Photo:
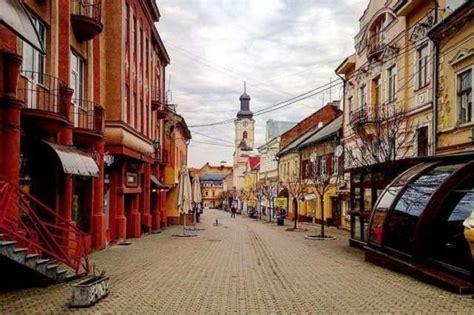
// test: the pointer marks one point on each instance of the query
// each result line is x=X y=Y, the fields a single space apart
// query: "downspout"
x=434 y=127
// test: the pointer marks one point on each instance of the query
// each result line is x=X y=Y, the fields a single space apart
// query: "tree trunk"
x=296 y=216
x=321 y=203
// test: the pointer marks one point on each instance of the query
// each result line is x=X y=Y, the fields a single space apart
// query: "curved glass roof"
x=430 y=199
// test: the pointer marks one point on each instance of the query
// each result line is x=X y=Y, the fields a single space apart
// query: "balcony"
x=155 y=100
x=375 y=49
x=359 y=117
x=45 y=98
x=86 y=18
x=88 y=117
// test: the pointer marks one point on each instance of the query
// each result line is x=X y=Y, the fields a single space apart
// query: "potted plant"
x=89 y=291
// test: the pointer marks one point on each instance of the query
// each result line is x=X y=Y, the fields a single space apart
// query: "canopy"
x=74 y=161
x=197 y=197
x=184 y=192
x=16 y=17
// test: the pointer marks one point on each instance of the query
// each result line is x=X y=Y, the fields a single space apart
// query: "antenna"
x=169 y=94
x=330 y=89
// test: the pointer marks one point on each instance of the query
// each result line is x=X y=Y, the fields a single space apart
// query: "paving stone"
x=243 y=267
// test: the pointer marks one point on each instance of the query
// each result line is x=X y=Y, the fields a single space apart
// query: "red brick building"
x=82 y=124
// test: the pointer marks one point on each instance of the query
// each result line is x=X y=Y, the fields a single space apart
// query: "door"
x=336 y=211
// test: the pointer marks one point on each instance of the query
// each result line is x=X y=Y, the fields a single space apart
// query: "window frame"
x=77 y=72
x=392 y=83
x=422 y=81
x=38 y=60
x=458 y=96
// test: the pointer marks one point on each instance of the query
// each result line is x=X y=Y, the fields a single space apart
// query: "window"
x=335 y=165
x=213 y=193
x=464 y=95
x=244 y=135
x=132 y=109
x=323 y=167
x=363 y=96
x=33 y=60
x=422 y=66
x=375 y=98
x=77 y=78
x=392 y=83
x=422 y=141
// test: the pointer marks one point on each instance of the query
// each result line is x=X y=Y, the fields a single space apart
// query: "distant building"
x=277 y=128
x=213 y=182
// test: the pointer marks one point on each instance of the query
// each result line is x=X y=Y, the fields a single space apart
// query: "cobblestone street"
x=243 y=266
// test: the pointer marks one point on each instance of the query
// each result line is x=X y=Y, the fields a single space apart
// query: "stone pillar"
x=11 y=118
x=97 y=216
x=145 y=197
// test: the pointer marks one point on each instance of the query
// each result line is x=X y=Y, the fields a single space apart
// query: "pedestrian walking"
x=233 y=208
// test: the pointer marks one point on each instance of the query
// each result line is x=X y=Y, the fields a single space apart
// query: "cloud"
x=282 y=48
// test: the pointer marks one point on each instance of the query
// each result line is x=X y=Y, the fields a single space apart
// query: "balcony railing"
x=91 y=9
x=86 y=18
x=375 y=48
x=88 y=115
x=366 y=114
x=43 y=92
x=155 y=100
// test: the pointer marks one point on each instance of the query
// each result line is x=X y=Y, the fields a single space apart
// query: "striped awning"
x=74 y=161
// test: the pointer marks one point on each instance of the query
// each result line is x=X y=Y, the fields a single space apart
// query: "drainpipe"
x=434 y=119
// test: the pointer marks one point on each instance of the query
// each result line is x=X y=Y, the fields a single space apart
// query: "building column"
x=97 y=216
x=11 y=118
x=164 y=214
x=134 y=218
x=66 y=139
x=145 y=197
x=117 y=204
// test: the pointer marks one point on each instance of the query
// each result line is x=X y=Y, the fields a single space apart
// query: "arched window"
x=244 y=135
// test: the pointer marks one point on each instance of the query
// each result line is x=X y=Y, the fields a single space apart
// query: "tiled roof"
x=212 y=177
x=330 y=129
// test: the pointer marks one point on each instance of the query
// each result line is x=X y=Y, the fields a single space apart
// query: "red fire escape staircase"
x=35 y=237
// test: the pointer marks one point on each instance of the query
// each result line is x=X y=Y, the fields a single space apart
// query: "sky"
x=281 y=48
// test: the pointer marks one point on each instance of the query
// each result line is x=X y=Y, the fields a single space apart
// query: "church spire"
x=245 y=104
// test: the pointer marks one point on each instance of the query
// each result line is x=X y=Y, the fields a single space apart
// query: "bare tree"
x=382 y=134
x=269 y=191
x=296 y=188
x=323 y=173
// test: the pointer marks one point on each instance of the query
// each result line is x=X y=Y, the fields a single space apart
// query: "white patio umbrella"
x=197 y=197
x=184 y=195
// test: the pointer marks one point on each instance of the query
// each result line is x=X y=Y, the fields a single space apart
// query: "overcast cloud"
x=282 y=48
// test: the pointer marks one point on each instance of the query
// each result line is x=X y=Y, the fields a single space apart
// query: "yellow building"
x=454 y=39
x=321 y=147
x=389 y=90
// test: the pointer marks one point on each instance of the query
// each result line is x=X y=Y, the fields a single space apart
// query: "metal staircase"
x=36 y=241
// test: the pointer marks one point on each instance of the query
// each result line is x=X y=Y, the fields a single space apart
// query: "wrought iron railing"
x=44 y=92
x=87 y=115
x=35 y=226
x=89 y=8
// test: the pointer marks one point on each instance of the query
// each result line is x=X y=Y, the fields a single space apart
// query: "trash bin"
x=280 y=221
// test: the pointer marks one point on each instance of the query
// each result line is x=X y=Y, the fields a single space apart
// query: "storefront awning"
x=74 y=161
x=157 y=182
x=15 y=16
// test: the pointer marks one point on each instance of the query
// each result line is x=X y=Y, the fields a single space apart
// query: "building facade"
x=86 y=121
x=175 y=156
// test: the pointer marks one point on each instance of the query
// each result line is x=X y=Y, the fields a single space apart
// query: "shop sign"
x=281 y=202
x=132 y=179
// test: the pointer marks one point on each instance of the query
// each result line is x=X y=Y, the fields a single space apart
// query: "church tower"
x=244 y=139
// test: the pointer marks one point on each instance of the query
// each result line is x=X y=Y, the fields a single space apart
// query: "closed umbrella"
x=184 y=196
x=197 y=197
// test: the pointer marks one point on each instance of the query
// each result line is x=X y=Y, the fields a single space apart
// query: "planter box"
x=89 y=291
